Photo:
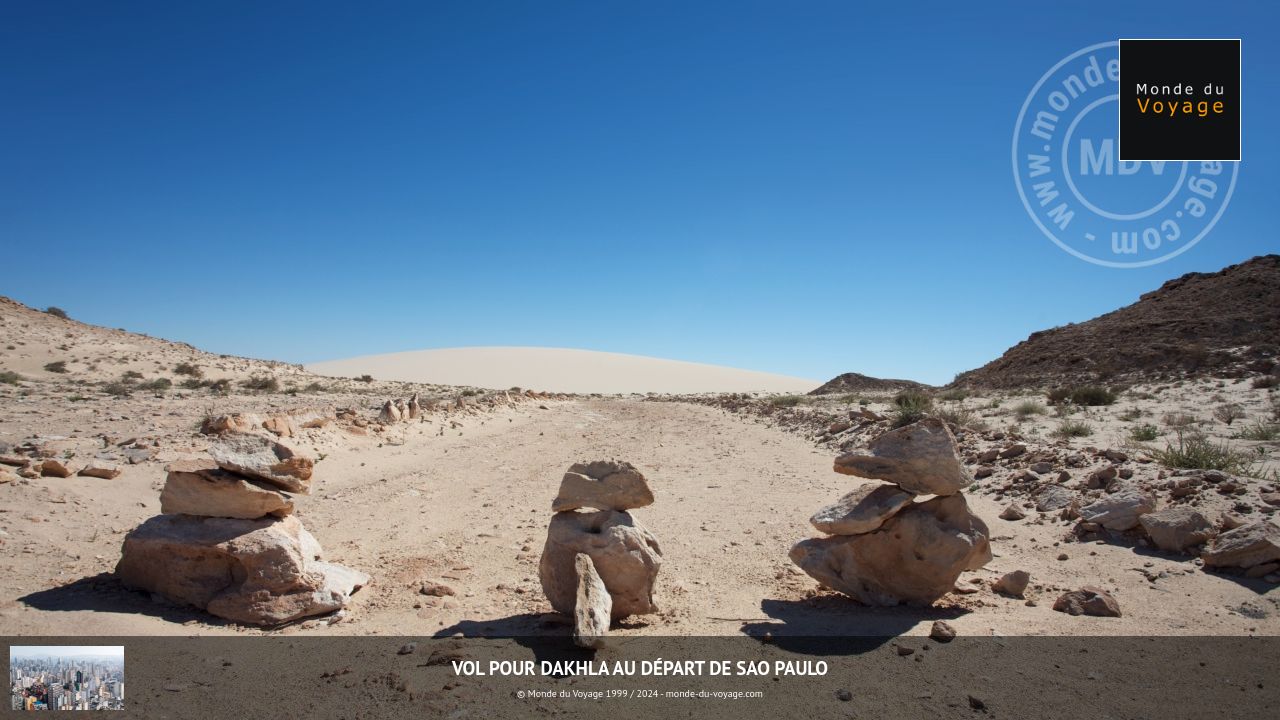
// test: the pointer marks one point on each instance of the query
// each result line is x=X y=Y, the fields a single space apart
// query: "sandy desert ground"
x=462 y=498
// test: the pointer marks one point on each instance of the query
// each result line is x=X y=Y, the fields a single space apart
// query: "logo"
x=1107 y=211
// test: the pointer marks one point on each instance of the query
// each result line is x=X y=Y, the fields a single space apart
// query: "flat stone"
x=602 y=485
x=100 y=469
x=862 y=510
x=1177 y=528
x=920 y=458
x=261 y=457
x=200 y=487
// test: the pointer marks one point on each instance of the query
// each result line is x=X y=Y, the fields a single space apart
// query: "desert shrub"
x=157 y=385
x=961 y=416
x=116 y=388
x=1027 y=408
x=261 y=383
x=1057 y=396
x=1264 y=382
x=221 y=386
x=1228 y=413
x=994 y=404
x=131 y=375
x=1179 y=420
x=1145 y=432
x=315 y=387
x=1092 y=395
x=1260 y=430
x=786 y=400
x=58 y=366
x=1195 y=451
x=911 y=406
x=365 y=378
x=1131 y=414
x=954 y=394
x=469 y=392
x=188 y=369
x=9 y=377
x=57 y=312
x=1073 y=429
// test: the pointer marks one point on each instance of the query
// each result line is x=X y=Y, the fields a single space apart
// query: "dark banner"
x=729 y=677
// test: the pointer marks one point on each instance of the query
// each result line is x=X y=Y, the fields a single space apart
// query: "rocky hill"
x=1223 y=324
x=857 y=382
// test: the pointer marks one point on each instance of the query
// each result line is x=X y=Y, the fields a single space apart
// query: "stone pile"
x=599 y=563
x=228 y=542
x=886 y=546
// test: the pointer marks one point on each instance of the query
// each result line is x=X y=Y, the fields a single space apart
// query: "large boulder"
x=603 y=485
x=1177 y=528
x=919 y=458
x=593 y=606
x=625 y=555
x=257 y=572
x=200 y=487
x=915 y=557
x=1257 y=543
x=861 y=511
x=1119 y=511
x=261 y=457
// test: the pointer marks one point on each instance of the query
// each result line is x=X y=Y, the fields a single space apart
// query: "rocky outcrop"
x=228 y=542
x=887 y=548
x=1176 y=529
x=623 y=555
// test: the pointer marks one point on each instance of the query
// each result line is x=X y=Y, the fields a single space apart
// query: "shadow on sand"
x=837 y=625
x=104 y=593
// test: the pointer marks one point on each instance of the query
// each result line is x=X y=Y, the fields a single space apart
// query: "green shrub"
x=1194 y=451
x=58 y=366
x=116 y=388
x=1131 y=414
x=1057 y=396
x=963 y=417
x=1261 y=430
x=188 y=369
x=1179 y=420
x=786 y=400
x=9 y=377
x=261 y=383
x=157 y=385
x=57 y=312
x=1027 y=408
x=1073 y=429
x=911 y=406
x=954 y=394
x=1092 y=395
x=1145 y=432
x=132 y=375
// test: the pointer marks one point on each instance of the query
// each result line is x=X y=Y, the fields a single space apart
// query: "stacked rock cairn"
x=228 y=542
x=886 y=546
x=599 y=564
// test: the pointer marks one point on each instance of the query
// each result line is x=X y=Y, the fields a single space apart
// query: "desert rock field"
x=442 y=495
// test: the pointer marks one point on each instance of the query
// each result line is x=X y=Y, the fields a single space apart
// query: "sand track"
x=469 y=509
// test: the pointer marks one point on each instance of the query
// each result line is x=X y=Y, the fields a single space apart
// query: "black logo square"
x=1179 y=100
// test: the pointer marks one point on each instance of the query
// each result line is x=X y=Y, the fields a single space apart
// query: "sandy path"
x=469 y=509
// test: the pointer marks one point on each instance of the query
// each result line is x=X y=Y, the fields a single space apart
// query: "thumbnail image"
x=66 y=677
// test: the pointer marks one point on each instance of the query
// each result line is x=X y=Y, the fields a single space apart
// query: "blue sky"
x=802 y=188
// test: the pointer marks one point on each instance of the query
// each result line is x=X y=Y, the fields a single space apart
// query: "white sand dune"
x=559 y=370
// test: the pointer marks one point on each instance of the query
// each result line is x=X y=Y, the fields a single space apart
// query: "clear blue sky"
x=802 y=188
